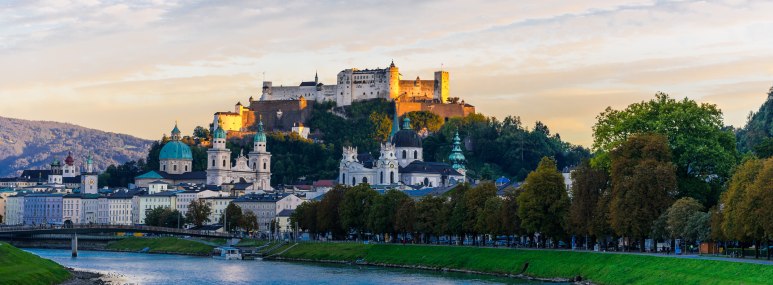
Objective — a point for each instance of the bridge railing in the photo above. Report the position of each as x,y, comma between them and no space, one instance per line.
128,228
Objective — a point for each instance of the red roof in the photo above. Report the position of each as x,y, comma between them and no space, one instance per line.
324,183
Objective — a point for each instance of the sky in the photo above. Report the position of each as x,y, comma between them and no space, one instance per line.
136,67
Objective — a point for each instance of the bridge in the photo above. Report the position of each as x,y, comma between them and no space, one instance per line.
75,229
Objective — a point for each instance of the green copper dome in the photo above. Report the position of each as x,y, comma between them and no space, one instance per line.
219,133
260,136
175,150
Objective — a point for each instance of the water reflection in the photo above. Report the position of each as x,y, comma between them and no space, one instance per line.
173,269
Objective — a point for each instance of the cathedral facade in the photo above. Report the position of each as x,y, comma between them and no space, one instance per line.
400,163
254,168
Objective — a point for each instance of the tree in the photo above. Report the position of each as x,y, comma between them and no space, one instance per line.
588,184
758,205
154,217
198,212
643,184
511,224
425,119
736,220
232,217
543,203
305,217
328,216
381,126
201,132
355,206
764,149
381,219
703,149
405,217
490,219
475,200
431,216
680,219
457,207
249,222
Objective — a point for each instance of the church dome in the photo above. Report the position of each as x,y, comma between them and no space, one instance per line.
260,135
176,150
406,137
69,160
219,133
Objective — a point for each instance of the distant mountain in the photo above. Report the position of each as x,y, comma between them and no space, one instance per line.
759,126
35,144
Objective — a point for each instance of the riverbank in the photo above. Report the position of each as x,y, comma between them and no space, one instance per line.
21,267
165,245
598,268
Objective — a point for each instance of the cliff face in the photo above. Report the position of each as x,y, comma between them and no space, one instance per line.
35,144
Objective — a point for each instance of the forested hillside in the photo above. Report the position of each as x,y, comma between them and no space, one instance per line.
35,144
757,135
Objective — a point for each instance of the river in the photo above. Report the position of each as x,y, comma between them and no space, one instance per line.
139,268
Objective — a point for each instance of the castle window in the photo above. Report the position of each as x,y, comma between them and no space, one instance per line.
415,154
405,154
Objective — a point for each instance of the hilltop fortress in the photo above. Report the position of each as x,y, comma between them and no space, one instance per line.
287,108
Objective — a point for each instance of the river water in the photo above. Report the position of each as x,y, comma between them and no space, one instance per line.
139,268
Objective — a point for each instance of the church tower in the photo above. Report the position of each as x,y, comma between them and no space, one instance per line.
260,159
387,165
218,159
56,173
89,178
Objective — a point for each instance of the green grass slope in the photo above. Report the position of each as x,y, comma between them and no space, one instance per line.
600,268
162,245
21,267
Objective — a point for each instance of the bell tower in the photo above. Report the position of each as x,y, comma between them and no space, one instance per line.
260,159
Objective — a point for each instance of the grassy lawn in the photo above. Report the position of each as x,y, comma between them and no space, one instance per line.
21,267
162,245
600,268
251,242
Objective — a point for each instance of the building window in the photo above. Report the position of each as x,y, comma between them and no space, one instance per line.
382,177
415,154
186,168
405,155
343,177
174,167
426,181
264,166
354,181
163,168
391,177
223,162
364,180
213,163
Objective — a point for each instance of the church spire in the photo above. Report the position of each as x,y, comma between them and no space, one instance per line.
395,124
457,157
175,132
316,77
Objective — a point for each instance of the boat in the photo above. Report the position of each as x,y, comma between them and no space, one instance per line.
226,253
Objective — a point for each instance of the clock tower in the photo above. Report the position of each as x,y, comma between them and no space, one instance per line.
89,183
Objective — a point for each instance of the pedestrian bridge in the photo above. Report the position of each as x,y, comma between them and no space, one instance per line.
74,229
18,231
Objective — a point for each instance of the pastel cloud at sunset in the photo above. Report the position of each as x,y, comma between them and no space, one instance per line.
136,67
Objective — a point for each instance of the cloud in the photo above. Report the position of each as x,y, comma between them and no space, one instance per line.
134,65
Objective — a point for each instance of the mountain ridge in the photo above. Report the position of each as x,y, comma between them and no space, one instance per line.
29,144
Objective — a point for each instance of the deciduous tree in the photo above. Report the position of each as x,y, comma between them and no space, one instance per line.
543,204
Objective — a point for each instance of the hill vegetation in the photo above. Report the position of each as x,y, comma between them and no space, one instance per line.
757,135
35,144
